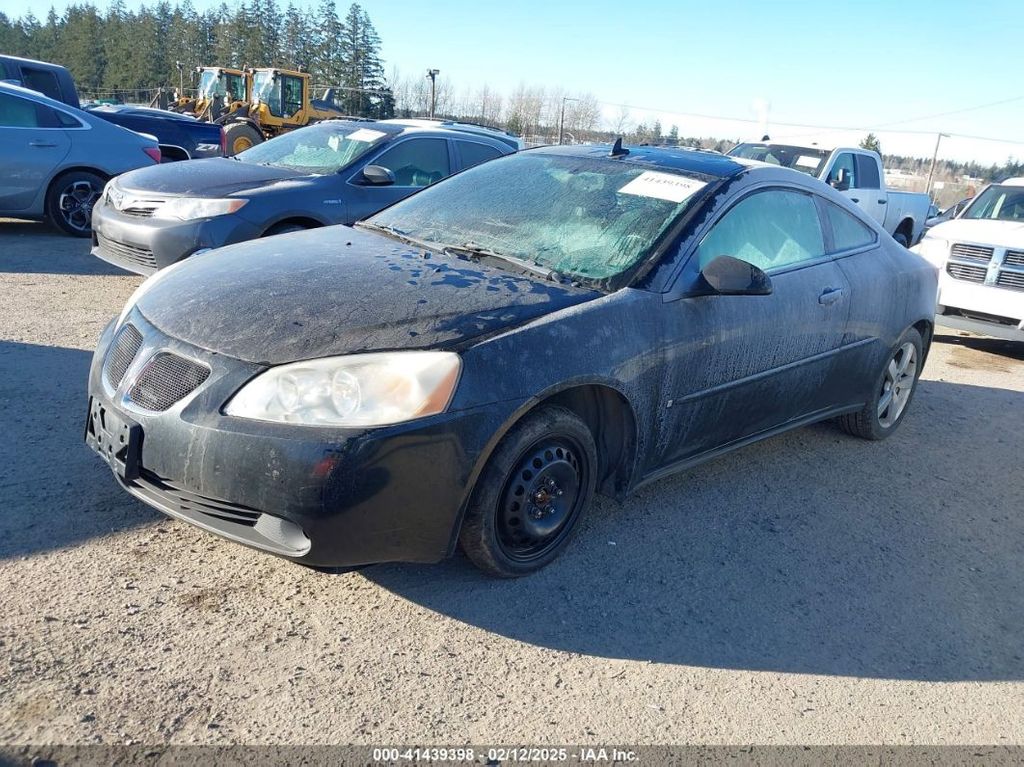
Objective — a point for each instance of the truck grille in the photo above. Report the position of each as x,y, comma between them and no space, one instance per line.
966,272
971,252
121,354
1014,258
1011,280
166,379
130,253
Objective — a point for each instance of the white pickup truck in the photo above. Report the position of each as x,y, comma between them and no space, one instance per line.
980,257
857,173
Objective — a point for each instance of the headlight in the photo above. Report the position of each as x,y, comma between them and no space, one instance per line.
356,390
933,249
187,208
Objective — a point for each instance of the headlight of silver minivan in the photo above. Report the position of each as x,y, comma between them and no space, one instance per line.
376,389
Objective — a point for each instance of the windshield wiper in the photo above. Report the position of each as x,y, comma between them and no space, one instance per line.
398,234
479,252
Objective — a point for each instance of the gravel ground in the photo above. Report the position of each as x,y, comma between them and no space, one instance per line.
813,588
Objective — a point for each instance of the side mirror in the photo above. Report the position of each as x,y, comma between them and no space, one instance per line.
842,181
377,175
728,276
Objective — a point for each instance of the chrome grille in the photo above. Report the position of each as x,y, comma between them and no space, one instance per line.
1014,258
121,354
132,253
139,211
165,380
966,272
1011,280
971,252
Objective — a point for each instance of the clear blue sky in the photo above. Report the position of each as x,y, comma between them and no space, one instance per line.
858,64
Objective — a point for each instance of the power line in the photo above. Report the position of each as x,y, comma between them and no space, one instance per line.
953,112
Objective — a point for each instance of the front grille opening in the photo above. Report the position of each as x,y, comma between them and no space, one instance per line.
971,252
121,354
166,379
966,272
970,314
1014,258
1011,280
131,253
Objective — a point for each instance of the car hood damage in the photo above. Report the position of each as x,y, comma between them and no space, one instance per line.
340,291
213,177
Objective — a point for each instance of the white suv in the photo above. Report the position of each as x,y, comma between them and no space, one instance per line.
980,256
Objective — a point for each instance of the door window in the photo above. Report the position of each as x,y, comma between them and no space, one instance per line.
847,231
474,153
417,162
867,173
843,175
291,95
769,229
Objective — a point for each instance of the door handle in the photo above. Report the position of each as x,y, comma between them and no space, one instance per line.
882,202
830,296
854,199
41,144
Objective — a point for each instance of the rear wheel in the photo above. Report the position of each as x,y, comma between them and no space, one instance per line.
894,389
70,199
240,136
902,238
533,491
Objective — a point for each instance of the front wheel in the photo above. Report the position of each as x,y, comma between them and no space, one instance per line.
70,200
530,496
239,136
894,389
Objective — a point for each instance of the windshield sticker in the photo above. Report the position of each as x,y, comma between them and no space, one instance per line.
807,161
663,186
367,135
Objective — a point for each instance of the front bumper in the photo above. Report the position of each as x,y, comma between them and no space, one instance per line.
324,497
980,308
143,245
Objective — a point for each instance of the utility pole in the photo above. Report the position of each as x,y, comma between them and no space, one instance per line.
935,156
561,118
432,75
181,79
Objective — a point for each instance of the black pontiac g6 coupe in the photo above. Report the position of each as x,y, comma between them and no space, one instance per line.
471,365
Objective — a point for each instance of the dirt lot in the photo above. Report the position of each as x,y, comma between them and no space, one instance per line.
811,589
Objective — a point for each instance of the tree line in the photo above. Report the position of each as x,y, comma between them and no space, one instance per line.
127,50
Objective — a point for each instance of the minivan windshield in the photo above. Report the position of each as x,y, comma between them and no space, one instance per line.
317,149
802,158
999,202
585,217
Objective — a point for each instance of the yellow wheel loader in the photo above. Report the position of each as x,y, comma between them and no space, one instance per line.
221,90
281,101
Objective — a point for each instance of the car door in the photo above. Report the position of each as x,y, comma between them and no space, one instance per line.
415,162
32,145
855,176
737,366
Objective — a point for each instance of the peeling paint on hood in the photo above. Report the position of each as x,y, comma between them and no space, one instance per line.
339,290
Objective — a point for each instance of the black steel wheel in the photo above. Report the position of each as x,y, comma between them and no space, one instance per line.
70,200
530,496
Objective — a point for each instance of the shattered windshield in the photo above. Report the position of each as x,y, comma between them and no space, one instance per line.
585,217
806,159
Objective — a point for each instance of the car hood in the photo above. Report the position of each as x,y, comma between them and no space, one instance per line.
339,290
1001,234
213,177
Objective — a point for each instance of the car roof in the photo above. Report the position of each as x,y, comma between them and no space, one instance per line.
671,158
463,127
1016,181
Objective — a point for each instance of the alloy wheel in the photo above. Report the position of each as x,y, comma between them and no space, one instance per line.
75,204
897,385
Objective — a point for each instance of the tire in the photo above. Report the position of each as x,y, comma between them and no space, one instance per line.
70,199
877,420
527,502
902,239
239,136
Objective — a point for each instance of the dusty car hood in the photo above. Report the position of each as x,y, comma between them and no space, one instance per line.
213,177
338,290
1002,234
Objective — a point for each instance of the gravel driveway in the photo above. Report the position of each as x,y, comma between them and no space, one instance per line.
814,588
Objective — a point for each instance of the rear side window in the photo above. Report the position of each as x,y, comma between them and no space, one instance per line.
16,112
474,153
41,81
769,229
867,172
417,162
847,231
